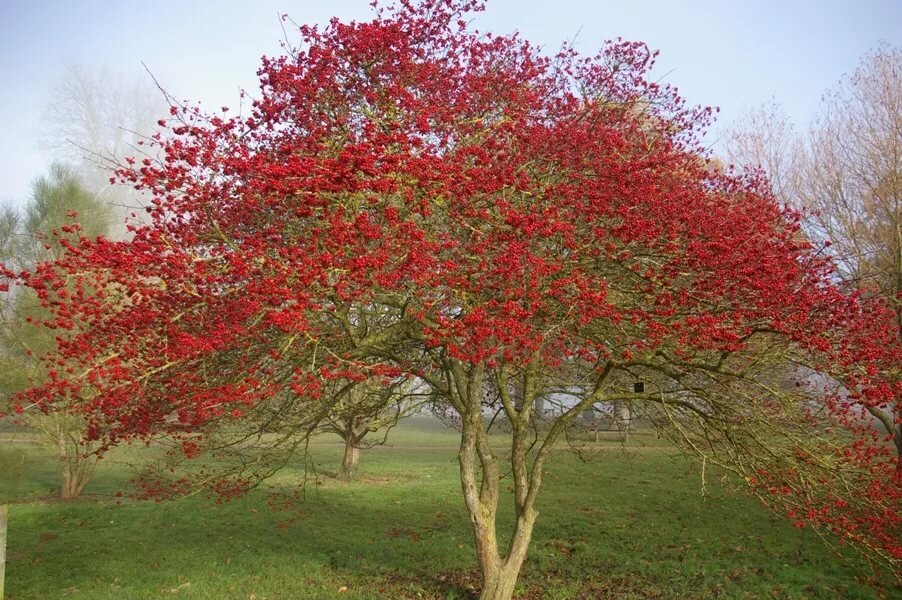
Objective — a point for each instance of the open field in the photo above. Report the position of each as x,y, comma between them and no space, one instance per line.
626,525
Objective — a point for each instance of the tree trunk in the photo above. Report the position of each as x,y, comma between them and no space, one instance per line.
74,482
480,474
886,418
77,468
350,460
498,584
479,477
500,577
500,573
69,485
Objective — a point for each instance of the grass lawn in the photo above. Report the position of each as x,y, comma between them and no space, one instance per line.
627,525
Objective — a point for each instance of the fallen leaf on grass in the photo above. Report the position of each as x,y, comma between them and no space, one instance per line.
181,586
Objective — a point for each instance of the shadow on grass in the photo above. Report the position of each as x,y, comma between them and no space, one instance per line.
87,548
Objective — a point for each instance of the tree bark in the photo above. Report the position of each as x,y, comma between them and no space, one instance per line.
350,459
894,429
499,583
480,475
77,469
500,578
74,482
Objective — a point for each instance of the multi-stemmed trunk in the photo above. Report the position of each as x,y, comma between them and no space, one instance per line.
74,480
481,494
351,457
78,464
352,430
76,458
480,473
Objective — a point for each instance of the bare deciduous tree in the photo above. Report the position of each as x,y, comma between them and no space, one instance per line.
846,173
852,174
94,120
765,138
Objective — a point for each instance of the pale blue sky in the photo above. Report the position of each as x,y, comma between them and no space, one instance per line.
731,54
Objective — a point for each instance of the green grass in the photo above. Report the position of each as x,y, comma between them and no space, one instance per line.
629,525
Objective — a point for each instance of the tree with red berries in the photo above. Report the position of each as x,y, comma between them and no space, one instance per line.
412,199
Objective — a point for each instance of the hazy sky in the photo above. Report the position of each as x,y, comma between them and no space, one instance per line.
728,53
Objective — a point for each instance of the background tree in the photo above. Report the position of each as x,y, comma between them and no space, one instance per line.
766,138
852,170
60,210
94,120
846,173
516,222
368,408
